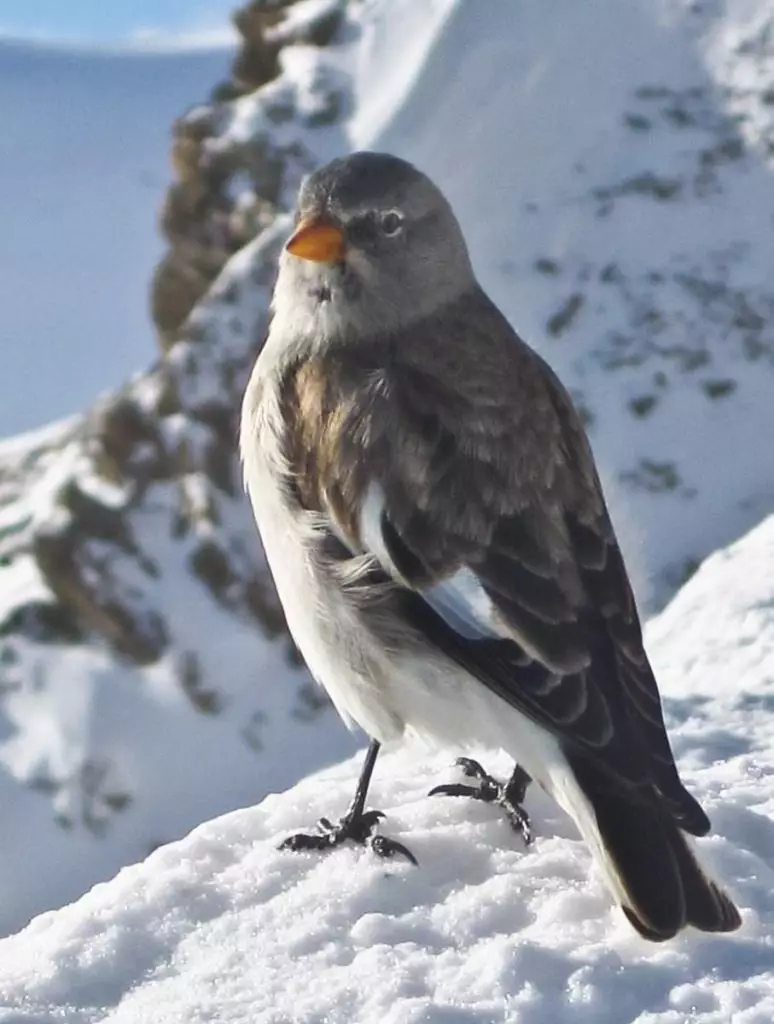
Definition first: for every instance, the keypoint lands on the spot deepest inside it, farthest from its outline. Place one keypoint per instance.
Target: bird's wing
(507, 561)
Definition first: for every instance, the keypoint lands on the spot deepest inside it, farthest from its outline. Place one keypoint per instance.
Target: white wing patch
(464, 605)
(371, 528)
(460, 600)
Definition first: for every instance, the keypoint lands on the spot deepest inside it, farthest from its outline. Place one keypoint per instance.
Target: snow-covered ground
(223, 927)
(84, 166)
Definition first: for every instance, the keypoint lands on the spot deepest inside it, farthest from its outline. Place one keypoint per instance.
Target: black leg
(357, 825)
(509, 796)
(357, 806)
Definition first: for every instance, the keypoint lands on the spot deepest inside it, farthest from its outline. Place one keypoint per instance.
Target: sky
(83, 172)
(96, 22)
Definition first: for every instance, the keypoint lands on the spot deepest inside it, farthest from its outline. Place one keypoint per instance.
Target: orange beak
(317, 240)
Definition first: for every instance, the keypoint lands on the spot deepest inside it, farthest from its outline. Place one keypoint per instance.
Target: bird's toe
(508, 795)
(385, 847)
(301, 841)
(356, 828)
(455, 789)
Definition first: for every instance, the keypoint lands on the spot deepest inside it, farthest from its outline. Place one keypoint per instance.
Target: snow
(553, 140)
(297, 21)
(21, 585)
(32, 440)
(85, 141)
(160, 40)
(395, 40)
(223, 926)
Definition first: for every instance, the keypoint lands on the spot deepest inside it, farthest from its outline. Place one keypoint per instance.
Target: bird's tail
(648, 862)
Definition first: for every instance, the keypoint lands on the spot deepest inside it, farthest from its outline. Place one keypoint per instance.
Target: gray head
(376, 247)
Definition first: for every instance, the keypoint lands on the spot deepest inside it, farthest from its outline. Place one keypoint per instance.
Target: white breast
(340, 654)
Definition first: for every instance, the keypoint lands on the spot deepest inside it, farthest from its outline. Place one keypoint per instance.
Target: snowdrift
(222, 926)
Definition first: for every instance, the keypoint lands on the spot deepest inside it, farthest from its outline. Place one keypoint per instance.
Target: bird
(432, 516)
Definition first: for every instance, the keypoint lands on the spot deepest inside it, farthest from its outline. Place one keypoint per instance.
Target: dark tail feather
(707, 907)
(665, 887)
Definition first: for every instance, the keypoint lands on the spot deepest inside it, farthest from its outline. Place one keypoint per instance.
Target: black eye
(391, 223)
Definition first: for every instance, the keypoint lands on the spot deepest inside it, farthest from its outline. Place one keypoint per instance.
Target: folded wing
(516, 574)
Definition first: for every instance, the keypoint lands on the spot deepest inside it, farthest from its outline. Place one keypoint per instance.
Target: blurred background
(612, 166)
(88, 94)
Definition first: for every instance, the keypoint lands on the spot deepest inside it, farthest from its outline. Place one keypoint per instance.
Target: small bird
(432, 516)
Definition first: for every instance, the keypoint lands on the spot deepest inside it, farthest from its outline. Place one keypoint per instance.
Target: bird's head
(376, 246)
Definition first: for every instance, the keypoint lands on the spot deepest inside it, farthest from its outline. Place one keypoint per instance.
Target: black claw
(456, 789)
(472, 769)
(508, 795)
(371, 819)
(357, 828)
(385, 847)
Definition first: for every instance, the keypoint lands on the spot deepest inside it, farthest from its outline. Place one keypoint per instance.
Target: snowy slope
(85, 143)
(101, 760)
(223, 927)
(616, 189)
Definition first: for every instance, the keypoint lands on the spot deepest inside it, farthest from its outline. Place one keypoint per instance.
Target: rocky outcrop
(166, 442)
(206, 219)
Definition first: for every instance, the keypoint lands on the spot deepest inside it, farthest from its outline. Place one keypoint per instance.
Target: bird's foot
(508, 795)
(357, 827)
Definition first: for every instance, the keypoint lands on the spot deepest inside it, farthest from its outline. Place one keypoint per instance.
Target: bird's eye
(391, 223)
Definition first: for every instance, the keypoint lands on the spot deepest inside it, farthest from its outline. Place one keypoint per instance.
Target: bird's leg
(509, 795)
(357, 825)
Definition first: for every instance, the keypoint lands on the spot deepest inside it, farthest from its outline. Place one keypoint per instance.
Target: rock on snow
(221, 926)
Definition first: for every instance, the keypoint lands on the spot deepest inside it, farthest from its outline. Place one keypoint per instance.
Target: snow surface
(85, 140)
(224, 927)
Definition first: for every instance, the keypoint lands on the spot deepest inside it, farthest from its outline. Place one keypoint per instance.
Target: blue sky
(111, 21)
